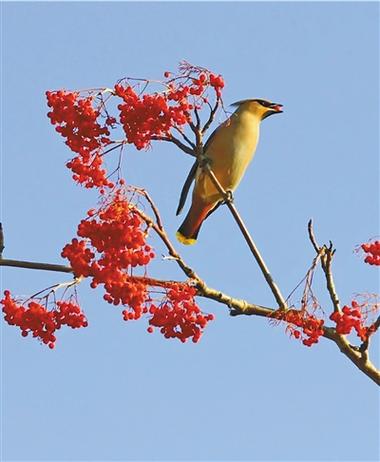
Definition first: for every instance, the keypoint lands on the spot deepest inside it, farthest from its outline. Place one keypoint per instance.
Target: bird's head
(261, 107)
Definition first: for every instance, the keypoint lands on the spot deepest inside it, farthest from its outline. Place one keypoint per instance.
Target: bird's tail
(188, 232)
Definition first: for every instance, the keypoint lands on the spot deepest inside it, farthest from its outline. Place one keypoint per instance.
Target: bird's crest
(263, 102)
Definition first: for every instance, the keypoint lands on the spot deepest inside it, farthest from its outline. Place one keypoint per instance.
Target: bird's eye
(264, 103)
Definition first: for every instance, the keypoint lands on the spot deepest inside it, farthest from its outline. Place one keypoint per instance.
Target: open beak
(276, 107)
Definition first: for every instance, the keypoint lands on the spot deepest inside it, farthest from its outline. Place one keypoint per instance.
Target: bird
(229, 150)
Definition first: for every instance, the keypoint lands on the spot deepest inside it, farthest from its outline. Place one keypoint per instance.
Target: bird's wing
(186, 187)
(210, 138)
(191, 176)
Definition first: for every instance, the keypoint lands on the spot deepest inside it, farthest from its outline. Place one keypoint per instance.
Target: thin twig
(252, 246)
(177, 142)
(326, 258)
(198, 119)
(35, 265)
(312, 236)
(54, 288)
(186, 138)
(152, 205)
(1, 240)
(326, 265)
(190, 273)
(211, 117)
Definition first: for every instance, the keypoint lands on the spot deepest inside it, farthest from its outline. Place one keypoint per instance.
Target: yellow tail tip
(185, 240)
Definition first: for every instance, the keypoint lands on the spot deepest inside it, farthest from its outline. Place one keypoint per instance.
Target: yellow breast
(230, 152)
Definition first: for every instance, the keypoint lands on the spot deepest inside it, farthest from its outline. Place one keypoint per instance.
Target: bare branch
(352, 353)
(153, 206)
(326, 265)
(360, 361)
(189, 272)
(212, 116)
(177, 142)
(1, 240)
(326, 258)
(186, 138)
(252, 246)
(35, 265)
(312, 237)
(198, 126)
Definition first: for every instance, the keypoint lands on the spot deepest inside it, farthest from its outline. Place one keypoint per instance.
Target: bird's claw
(229, 198)
(203, 161)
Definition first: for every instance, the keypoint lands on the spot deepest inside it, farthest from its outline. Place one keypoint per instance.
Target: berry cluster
(75, 119)
(69, 314)
(373, 251)
(151, 116)
(179, 316)
(41, 322)
(113, 242)
(350, 318)
(148, 116)
(302, 325)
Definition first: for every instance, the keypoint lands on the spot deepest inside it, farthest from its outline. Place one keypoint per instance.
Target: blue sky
(246, 391)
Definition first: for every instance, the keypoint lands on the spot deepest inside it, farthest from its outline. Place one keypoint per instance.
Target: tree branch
(363, 363)
(237, 307)
(35, 265)
(326, 259)
(212, 116)
(177, 142)
(248, 238)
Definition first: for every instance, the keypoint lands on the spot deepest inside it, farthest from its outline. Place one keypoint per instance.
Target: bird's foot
(204, 161)
(229, 197)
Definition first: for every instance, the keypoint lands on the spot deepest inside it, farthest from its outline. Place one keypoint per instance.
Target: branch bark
(248, 238)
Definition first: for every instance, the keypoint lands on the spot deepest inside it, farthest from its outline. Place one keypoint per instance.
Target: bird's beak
(276, 107)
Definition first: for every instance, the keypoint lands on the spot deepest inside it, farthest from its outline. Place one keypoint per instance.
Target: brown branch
(327, 254)
(153, 206)
(1, 240)
(252, 246)
(326, 265)
(186, 138)
(212, 116)
(189, 272)
(198, 139)
(237, 307)
(35, 265)
(376, 324)
(198, 126)
(177, 142)
(352, 353)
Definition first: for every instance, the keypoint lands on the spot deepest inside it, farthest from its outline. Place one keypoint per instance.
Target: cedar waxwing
(230, 149)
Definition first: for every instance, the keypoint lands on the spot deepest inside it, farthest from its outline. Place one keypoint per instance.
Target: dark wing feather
(191, 176)
(186, 187)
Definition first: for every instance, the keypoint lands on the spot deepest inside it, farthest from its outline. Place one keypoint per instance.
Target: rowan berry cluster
(38, 320)
(179, 316)
(76, 120)
(302, 325)
(372, 249)
(112, 243)
(350, 318)
(146, 117)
